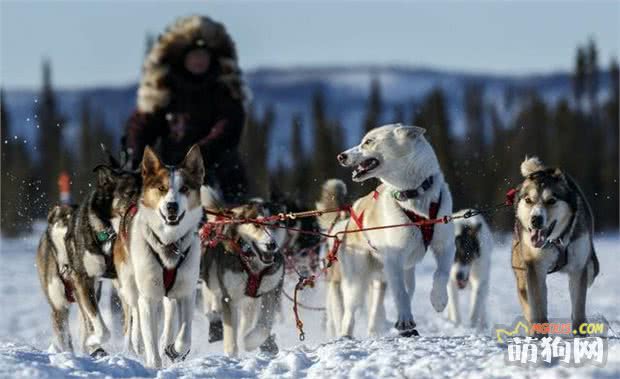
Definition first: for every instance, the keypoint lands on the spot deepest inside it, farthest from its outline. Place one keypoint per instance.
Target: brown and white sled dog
(472, 264)
(242, 282)
(158, 263)
(413, 189)
(554, 227)
(52, 264)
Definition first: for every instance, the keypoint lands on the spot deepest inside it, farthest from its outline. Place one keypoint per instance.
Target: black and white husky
(242, 283)
(472, 264)
(553, 232)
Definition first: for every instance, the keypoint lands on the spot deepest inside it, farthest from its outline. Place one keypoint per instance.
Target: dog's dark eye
(367, 142)
(550, 201)
(183, 189)
(528, 201)
(163, 189)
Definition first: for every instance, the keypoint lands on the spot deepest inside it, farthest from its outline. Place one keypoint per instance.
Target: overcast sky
(103, 42)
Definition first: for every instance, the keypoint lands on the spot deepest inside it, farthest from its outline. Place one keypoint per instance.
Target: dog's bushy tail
(333, 195)
(531, 165)
(592, 266)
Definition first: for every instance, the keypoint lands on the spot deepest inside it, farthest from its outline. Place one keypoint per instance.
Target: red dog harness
(254, 279)
(427, 229)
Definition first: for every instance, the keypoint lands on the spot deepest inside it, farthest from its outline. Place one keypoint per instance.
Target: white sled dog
(158, 256)
(242, 282)
(553, 232)
(413, 189)
(472, 264)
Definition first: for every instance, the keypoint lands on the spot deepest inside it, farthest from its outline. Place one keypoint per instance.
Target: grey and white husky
(242, 283)
(472, 264)
(553, 232)
(413, 189)
(89, 245)
(52, 265)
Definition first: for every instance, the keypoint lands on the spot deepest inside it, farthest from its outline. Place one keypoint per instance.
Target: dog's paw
(269, 346)
(405, 324)
(439, 293)
(97, 339)
(174, 355)
(216, 331)
(98, 353)
(409, 333)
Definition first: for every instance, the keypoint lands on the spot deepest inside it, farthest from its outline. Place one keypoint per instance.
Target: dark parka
(176, 109)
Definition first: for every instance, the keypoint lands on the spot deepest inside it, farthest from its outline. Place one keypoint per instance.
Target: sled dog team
(141, 229)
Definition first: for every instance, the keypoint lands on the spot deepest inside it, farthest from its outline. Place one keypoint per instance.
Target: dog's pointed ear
(558, 174)
(409, 131)
(150, 162)
(105, 175)
(194, 164)
(53, 213)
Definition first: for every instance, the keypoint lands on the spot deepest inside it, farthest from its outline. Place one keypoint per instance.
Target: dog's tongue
(538, 238)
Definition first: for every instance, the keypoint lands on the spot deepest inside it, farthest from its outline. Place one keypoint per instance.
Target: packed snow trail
(444, 350)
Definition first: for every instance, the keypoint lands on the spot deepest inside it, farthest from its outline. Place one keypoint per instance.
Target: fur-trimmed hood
(154, 89)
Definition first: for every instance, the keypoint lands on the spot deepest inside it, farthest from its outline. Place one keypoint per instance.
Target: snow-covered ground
(444, 350)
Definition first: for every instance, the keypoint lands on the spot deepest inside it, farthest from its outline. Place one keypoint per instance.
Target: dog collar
(413, 193)
(105, 235)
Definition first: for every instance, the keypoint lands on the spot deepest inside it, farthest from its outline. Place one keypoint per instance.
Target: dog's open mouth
(539, 236)
(365, 167)
(461, 283)
(172, 220)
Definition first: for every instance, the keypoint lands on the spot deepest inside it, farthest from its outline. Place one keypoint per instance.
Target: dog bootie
(269, 346)
(409, 333)
(98, 353)
(173, 354)
(216, 331)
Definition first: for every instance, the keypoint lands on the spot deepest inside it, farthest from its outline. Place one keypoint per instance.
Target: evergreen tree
(50, 143)
(15, 192)
(592, 72)
(328, 143)
(374, 108)
(254, 150)
(471, 165)
(579, 77)
(299, 180)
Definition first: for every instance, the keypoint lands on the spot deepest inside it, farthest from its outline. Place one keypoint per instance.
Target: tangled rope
(212, 234)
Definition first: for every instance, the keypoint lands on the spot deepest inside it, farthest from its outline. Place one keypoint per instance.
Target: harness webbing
(169, 275)
(427, 229)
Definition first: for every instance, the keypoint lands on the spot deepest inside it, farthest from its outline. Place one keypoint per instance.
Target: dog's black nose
(537, 222)
(271, 246)
(172, 208)
(342, 157)
(460, 276)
